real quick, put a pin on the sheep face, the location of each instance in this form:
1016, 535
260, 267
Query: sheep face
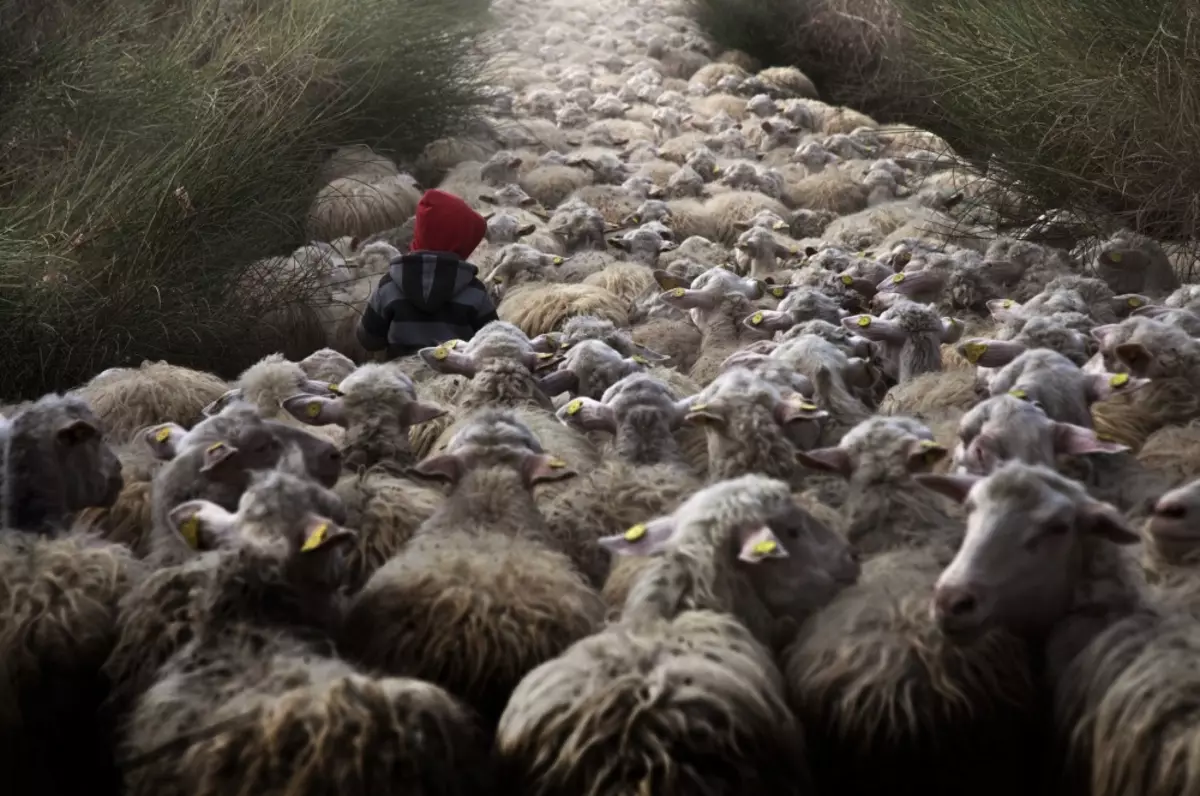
910, 335
1172, 530
1019, 564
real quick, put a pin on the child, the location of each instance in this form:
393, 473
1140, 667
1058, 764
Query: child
432, 294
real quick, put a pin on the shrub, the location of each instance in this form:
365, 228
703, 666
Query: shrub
851, 49
150, 150
1092, 106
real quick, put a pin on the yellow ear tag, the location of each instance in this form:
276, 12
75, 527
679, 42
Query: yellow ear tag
641, 360
497, 280
698, 407
316, 538
189, 529
756, 318
793, 250
1114, 256
847, 279
635, 533
452, 344
780, 225
807, 407
162, 435
215, 447
313, 409
897, 279
1119, 380
864, 321
1018, 394
564, 344
634, 219
765, 547
716, 169
574, 407
558, 261
927, 444
678, 292
333, 386
544, 356
1007, 304
778, 292
1134, 302
973, 351
441, 352
556, 464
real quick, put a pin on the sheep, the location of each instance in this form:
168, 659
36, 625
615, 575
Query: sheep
1169, 546
58, 596
538, 309
357, 160
325, 364
362, 206
269, 382
271, 603
834, 377
1097, 670
1051, 332
910, 335
130, 399
484, 555
698, 616
797, 307
1133, 263
56, 463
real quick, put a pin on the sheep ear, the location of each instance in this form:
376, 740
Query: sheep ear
541, 468
924, 455
759, 544
313, 387
447, 467
1129, 302
1072, 440
643, 539
650, 354
686, 298
164, 440
203, 525
952, 330
619, 243
224, 400
1135, 356
547, 343
445, 359
1101, 386
698, 413
1104, 520
420, 412
987, 353
323, 534
528, 229
315, 410
216, 454
830, 460
741, 226
796, 408
558, 382
1101, 333
488, 198
668, 281
588, 415
76, 431
875, 329
1005, 310
954, 487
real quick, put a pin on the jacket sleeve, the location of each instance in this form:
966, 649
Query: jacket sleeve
485, 312
372, 330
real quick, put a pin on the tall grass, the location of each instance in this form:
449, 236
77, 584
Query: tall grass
1087, 105
151, 150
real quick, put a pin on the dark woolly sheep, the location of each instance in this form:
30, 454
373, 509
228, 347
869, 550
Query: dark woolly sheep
260, 671
649, 475
1042, 559
1133, 263
876, 680
56, 462
1064, 391
682, 695
483, 592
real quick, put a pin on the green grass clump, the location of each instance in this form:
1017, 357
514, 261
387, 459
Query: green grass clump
150, 150
851, 49
1091, 106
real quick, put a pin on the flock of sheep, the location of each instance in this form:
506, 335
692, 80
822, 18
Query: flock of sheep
780, 474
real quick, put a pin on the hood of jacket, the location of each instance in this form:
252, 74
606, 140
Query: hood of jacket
445, 223
430, 279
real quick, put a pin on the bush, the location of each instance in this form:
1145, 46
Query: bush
1092, 106
851, 49
150, 150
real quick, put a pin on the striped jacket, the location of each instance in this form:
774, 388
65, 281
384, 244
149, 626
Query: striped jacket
424, 299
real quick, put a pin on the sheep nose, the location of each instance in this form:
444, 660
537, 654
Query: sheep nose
955, 608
